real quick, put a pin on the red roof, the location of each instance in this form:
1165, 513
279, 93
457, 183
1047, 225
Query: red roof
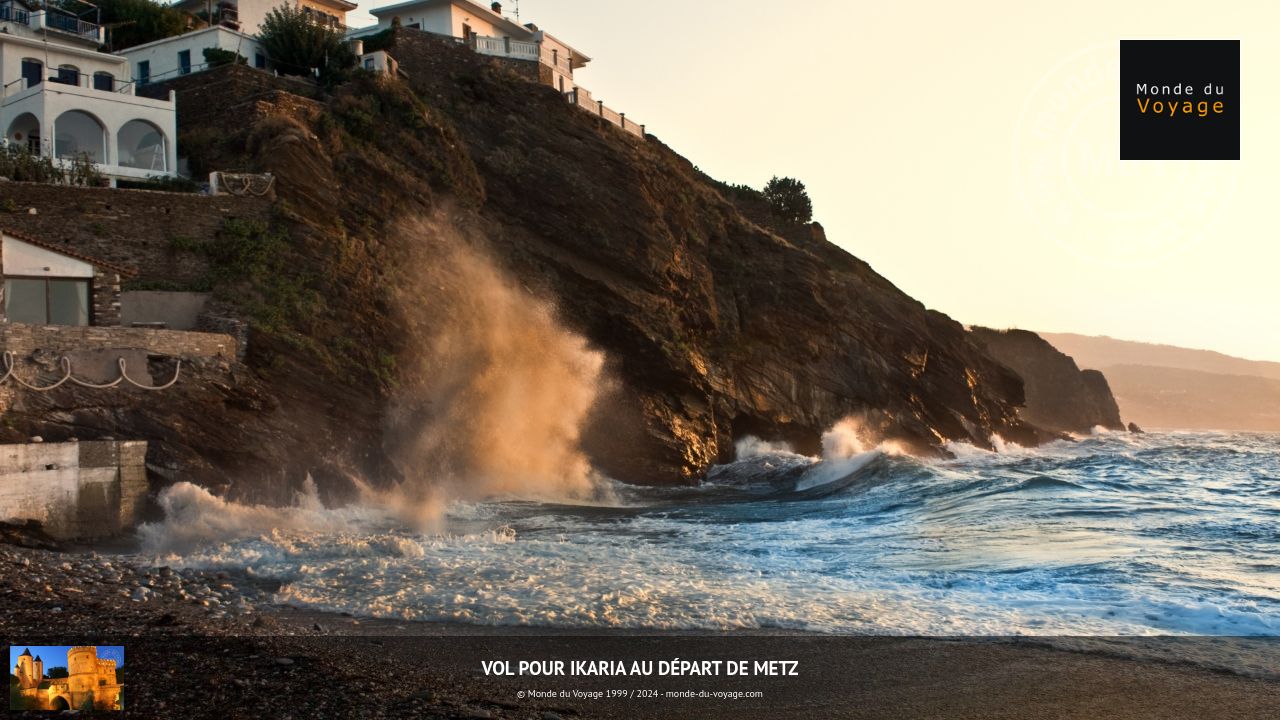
63, 250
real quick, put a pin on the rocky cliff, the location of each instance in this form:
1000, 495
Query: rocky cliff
1060, 396
712, 321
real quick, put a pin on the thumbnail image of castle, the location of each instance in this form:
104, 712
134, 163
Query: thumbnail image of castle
90, 682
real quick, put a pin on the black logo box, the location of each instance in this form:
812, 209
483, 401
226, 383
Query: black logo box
1194, 63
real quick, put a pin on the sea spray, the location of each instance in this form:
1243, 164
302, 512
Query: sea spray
193, 517
750, 446
848, 446
494, 391
1162, 533
843, 440
491, 396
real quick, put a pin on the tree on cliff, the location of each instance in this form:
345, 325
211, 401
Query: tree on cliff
298, 46
789, 200
56, 672
134, 22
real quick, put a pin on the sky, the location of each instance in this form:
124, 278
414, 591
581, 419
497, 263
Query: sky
56, 656
969, 151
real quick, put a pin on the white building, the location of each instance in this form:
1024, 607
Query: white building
488, 32
172, 57
62, 97
234, 28
247, 15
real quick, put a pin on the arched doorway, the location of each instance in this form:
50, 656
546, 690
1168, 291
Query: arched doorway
60, 703
76, 132
24, 131
139, 144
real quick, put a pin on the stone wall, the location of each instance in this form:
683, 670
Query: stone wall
141, 229
205, 94
76, 490
106, 298
425, 54
24, 340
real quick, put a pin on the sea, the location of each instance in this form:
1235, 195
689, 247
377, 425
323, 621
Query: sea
1110, 534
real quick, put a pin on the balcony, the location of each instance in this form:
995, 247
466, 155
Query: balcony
522, 50
124, 135
532, 51
506, 47
85, 84
324, 19
65, 22
12, 13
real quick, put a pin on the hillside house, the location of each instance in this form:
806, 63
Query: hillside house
247, 15
61, 97
234, 27
172, 57
45, 284
488, 32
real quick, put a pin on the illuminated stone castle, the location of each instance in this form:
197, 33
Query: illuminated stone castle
90, 682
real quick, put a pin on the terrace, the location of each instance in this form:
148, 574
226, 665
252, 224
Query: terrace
67, 22
75, 115
60, 20
11, 12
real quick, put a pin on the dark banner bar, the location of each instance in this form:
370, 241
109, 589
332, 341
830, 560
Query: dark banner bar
743, 676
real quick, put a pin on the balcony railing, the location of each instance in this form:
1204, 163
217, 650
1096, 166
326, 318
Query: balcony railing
581, 97
505, 47
96, 83
553, 59
69, 24
324, 19
521, 50
9, 13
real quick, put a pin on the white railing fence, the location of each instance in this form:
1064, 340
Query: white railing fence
533, 51
506, 47
581, 97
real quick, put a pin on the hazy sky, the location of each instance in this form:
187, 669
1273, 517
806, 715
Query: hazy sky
969, 151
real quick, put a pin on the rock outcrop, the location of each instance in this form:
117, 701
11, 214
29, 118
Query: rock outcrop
1060, 396
715, 321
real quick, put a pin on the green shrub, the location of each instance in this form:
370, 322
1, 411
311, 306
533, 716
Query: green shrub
136, 22
19, 163
162, 183
789, 200
217, 57
380, 40
249, 265
297, 46
203, 148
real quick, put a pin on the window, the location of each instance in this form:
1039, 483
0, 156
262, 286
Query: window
104, 81
32, 71
68, 75
260, 61
184, 62
369, 64
144, 72
47, 301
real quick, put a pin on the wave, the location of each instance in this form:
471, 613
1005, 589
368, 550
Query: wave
1044, 482
1104, 536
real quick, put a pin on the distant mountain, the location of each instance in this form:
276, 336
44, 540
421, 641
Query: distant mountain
1163, 386
1160, 397
1103, 352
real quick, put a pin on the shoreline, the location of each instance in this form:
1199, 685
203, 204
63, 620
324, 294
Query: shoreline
216, 637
